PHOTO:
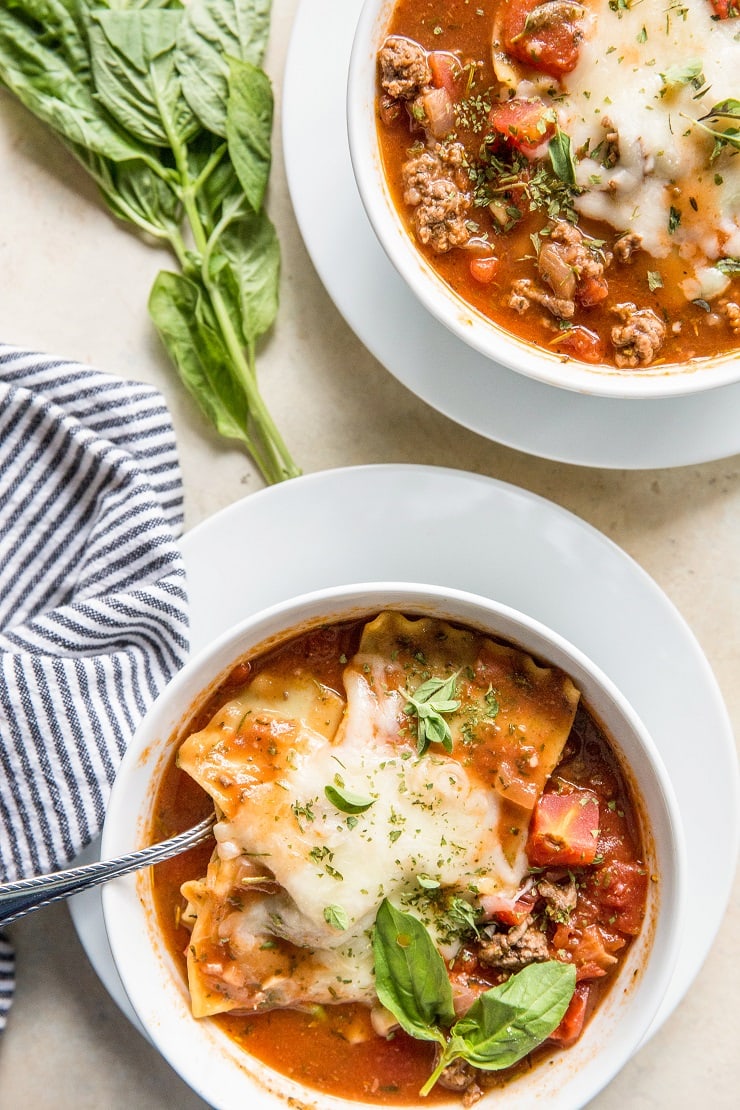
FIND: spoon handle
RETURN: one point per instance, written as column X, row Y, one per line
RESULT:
column 24, row 895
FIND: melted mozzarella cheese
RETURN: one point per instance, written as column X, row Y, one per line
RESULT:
column 427, row 819
column 631, row 80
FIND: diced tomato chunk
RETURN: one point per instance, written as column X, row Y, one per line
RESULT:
column 726, row 9
column 581, row 343
column 550, row 42
column 446, row 70
column 565, row 830
column 571, row 1027
column 484, row 268
column 592, row 953
column 621, row 890
column 526, row 123
column 592, row 290
column 586, row 949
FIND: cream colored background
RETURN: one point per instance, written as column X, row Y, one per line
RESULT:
column 74, row 284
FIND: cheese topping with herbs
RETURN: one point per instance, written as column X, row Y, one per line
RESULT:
column 647, row 73
column 332, row 803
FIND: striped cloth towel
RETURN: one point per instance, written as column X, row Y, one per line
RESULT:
column 93, row 608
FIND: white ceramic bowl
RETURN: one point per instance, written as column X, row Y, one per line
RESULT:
column 225, row 1076
column 471, row 326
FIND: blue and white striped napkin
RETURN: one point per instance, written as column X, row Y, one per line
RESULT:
column 93, row 606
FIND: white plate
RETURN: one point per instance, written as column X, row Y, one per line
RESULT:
column 446, row 527
column 457, row 381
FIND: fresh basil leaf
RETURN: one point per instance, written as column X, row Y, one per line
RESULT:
column 346, row 801
column 140, row 196
column 55, row 19
column 212, row 32
column 410, row 975
column 427, row 703
column 509, row 1021
column 209, row 164
column 723, row 136
column 221, row 186
column 505, row 1023
column 250, row 248
column 184, row 322
column 724, row 109
column 249, row 128
column 682, row 73
column 437, row 688
column 134, row 71
column 337, row 917
column 435, row 730
column 561, row 157
column 47, row 85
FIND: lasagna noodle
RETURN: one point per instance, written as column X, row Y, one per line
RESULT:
column 284, row 914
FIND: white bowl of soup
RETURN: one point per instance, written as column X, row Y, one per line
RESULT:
column 557, row 182
column 447, row 866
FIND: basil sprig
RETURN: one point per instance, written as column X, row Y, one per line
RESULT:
column 168, row 110
column 500, row 1028
column 427, row 703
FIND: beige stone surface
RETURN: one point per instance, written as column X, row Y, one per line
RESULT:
column 74, row 283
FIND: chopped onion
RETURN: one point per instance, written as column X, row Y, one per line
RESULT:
column 439, row 112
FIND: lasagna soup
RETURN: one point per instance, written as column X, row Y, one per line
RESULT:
column 418, row 827
column 570, row 168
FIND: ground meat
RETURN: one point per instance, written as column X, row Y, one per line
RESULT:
column 731, row 313
column 638, row 337
column 573, row 271
column 518, row 302
column 433, row 186
column 441, row 218
column 461, row 1076
column 585, row 263
column 560, row 897
column 626, row 245
column 472, row 1095
column 522, row 945
column 441, row 161
column 524, row 291
column 453, row 156
column 404, row 68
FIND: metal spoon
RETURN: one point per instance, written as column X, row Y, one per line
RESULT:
column 25, row 895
